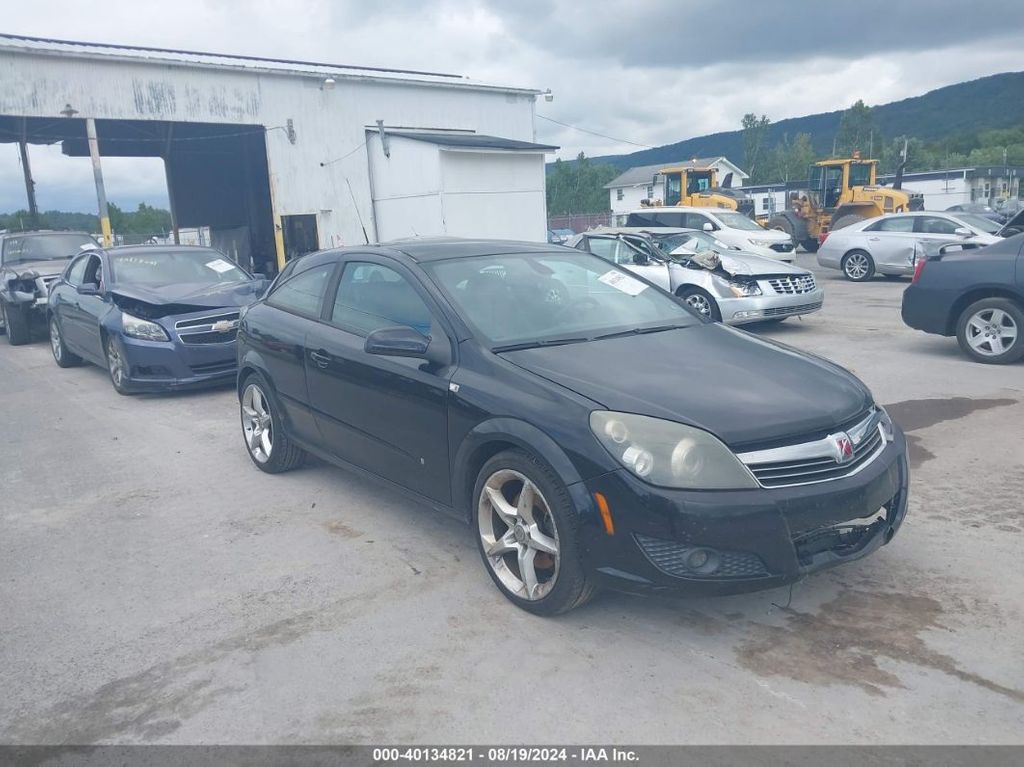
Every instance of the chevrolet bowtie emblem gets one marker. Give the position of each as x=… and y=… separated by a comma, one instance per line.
x=224, y=326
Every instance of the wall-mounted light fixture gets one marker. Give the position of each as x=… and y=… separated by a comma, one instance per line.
x=327, y=84
x=548, y=95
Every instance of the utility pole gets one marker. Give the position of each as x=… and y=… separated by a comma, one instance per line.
x=30, y=185
x=97, y=172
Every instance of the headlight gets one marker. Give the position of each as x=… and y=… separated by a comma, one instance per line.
x=669, y=454
x=762, y=243
x=144, y=329
x=744, y=289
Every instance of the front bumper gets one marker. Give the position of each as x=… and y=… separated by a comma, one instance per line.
x=738, y=311
x=768, y=252
x=748, y=539
x=168, y=365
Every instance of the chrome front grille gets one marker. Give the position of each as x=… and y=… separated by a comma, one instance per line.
x=212, y=329
x=801, y=283
x=819, y=461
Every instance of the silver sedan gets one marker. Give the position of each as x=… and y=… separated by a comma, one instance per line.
x=722, y=283
x=886, y=244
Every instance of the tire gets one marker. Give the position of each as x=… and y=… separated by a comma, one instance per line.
x=782, y=224
x=846, y=220
x=893, y=276
x=534, y=557
x=117, y=366
x=61, y=354
x=17, y=324
x=702, y=301
x=268, y=446
x=811, y=245
x=858, y=266
x=992, y=331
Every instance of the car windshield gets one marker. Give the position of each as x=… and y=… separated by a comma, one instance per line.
x=169, y=267
x=44, y=247
x=734, y=220
x=519, y=300
x=698, y=242
x=980, y=223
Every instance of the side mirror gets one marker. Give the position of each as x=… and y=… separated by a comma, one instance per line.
x=259, y=276
x=88, y=289
x=963, y=231
x=400, y=341
x=708, y=226
x=640, y=259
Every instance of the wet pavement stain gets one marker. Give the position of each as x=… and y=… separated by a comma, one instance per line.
x=914, y=415
x=842, y=643
x=341, y=529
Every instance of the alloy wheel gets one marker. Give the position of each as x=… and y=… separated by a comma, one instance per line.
x=519, y=536
x=699, y=302
x=257, y=423
x=991, y=332
x=55, y=343
x=115, y=362
x=856, y=266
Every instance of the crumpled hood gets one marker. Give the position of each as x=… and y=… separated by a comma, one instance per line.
x=738, y=263
x=194, y=294
x=745, y=390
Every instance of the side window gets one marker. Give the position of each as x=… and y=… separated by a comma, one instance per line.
x=936, y=225
x=76, y=272
x=93, y=271
x=893, y=224
x=303, y=293
x=674, y=219
x=696, y=221
x=373, y=296
x=602, y=247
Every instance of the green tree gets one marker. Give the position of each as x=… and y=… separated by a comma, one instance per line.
x=755, y=132
x=578, y=187
x=857, y=132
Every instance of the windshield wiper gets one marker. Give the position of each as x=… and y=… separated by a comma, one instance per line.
x=536, y=344
x=637, y=331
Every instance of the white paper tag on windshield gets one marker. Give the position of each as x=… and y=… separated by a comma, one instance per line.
x=623, y=282
x=219, y=265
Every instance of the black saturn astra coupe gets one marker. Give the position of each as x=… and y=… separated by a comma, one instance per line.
x=592, y=429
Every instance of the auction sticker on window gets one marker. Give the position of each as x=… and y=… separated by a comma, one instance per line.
x=623, y=282
x=219, y=265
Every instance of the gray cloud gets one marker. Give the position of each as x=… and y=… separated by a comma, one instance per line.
x=653, y=73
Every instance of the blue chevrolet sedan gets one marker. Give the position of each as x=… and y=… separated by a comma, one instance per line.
x=157, y=318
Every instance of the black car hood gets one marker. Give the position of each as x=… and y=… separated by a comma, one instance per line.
x=741, y=388
x=184, y=297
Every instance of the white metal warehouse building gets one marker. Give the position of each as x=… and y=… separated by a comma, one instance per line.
x=280, y=157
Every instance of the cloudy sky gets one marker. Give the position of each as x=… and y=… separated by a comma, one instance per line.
x=650, y=72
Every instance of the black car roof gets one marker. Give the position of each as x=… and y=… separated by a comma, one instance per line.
x=443, y=248
x=44, y=232
x=157, y=248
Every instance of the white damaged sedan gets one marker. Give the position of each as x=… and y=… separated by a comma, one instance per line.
x=725, y=284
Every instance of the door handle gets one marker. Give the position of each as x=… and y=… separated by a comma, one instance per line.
x=872, y=239
x=322, y=359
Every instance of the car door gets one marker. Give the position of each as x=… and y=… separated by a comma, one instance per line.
x=636, y=254
x=890, y=240
x=276, y=331
x=67, y=305
x=91, y=307
x=388, y=415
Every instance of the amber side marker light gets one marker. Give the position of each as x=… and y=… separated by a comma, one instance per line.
x=606, y=513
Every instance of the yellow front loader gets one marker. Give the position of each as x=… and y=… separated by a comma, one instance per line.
x=840, y=193
x=697, y=187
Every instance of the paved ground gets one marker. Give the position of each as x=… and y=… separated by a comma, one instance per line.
x=155, y=587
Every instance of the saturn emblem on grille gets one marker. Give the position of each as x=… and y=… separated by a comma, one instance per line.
x=224, y=326
x=842, y=447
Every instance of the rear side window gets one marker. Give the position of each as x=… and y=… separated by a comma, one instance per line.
x=674, y=219
x=372, y=296
x=893, y=224
x=303, y=293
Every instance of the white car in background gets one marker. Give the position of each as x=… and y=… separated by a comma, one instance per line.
x=732, y=228
x=886, y=244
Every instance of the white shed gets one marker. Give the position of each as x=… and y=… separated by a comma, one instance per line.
x=430, y=183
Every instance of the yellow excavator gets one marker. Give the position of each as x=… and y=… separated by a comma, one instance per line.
x=840, y=193
x=697, y=187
